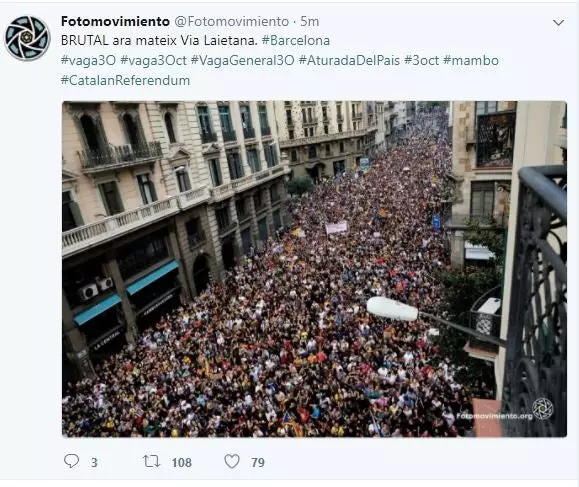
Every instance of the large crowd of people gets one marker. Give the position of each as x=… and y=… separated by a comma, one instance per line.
x=285, y=346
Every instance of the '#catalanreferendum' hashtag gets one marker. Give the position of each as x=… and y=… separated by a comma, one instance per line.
x=64, y=59
x=447, y=59
x=64, y=80
x=265, y=39
x=194, y=59
x=124, y=59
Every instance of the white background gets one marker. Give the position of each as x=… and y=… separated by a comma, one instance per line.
x=539, y=62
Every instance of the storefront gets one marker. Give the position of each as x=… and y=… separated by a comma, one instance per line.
x=155, y=294
x=103, y=326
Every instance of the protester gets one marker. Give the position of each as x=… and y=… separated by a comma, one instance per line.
x=285, y=347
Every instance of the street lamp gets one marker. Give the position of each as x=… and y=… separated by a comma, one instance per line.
x=395, y=310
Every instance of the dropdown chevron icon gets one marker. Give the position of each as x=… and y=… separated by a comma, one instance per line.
x=558, y=22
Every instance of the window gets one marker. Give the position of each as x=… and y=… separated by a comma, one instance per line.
x=147, y=189
x=341, y=147
x=263, y=121
x=253, y=160
x=111, y=198
x=205, y=126
x=222, y=216
x=485, y=107
x=141, y=254
x=325, y=113
x=215, y=170
x=245, y=116
x=226, y=125
x=194, y=231
x=339, y=127
x=288, y=116
x=235, y=167
x=270, y=155
x=170, y=129
x=328, y=149
x=304, y=117
x=277, y=220
x=71, y=217
x=482, y=199
x=291, y=134
x=258, y=200
x=312, y=152
x=294, y=155
x=93, y=135
x=183, y=179
x=274, y=193
x=132, y=129
x=326, y=129
x=241, y=209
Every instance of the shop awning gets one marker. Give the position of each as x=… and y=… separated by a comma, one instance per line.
x=97, y=309
x=135, y=287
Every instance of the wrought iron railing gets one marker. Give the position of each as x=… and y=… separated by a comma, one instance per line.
x=265, y=131
x=249, y=133
x=197, y=238
x=207, y=137
x=120, y=154
x=495, y=139
x=229, y=136
x=453, y=220
x=535, y=379
x=484, y=321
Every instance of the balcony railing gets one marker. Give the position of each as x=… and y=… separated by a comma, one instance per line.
x=340, y=118
x=485, y=317
x=458, y=221
x=535, y=379
x=265, y=131
x=193, y=197
x=309, y=120
x=208, y=137
x=226, y=227
x=249, y=133
x=495, y=140
x=229, y=136
x=356, y=115
x=316, y=139
x=120, y=156
x=197, y=238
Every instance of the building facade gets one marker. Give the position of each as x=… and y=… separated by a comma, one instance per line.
x=157, y=199
x=325, y=138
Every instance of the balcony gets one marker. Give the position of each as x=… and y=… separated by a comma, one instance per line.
x=326, y=119
x=117, y=157
x=197, y=239
x=485, y=318
x=222, y=192
x=309, y=103
x=316, y=139
x=455, y=221
x=265, y=131
x=229, y=136
x=249, y=133
x=340, y=118
x=390, y=105
x=82, y=238
x=208, y=137
x=193, y=197
x=242, y=183
x=535, y=371
x=356, y=115
x=310, y=121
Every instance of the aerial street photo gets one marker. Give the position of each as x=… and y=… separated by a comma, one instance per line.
x=300, y=269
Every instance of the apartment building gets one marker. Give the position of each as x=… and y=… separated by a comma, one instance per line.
x=157, y=198
x=324, y=138
x=529, y=310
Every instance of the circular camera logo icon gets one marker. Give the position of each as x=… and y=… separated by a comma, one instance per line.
x=27, y=38
x=542, y=409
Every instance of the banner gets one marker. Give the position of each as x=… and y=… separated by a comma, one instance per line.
x=364, y=164
x=337, y=227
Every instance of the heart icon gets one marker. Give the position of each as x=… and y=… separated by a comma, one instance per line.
x=231, y=460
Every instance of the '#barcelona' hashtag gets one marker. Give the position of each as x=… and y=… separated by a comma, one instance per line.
x=64, y=59
x=64, y=80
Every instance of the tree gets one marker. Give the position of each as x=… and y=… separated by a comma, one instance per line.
x=461, y=288
x=300, y=185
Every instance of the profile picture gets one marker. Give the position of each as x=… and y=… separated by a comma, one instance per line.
x=27, y=38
